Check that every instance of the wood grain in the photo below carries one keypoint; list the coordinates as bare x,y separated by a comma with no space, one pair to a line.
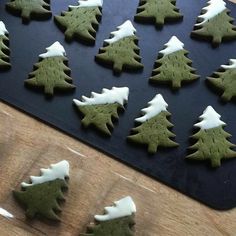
96,181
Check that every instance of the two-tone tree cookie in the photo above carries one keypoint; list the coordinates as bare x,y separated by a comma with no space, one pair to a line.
41,197
212,141
157,11
154,130
81,22
100,110
51,72
118,220
215,24
4,50
121,51
173,66
225,80
30,9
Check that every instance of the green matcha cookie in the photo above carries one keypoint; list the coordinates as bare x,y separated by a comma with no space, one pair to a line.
154,130
51,72
118,220
81,22
157,11
173,66
4,50
215,24
30,9
212,143
225,80
121,51
41,197
100,110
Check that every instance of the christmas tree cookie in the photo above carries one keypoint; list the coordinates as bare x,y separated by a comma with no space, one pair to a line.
215,24
121,50
157,11
81,22
118,220
173,66
225,80
4,50
41,197
51,72
154,130
30,9
100,109
212,143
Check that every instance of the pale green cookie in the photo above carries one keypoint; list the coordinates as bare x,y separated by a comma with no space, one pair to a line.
215,24
225,81
154,130
157,11
100,110
4,50
121,51
81,22
30,9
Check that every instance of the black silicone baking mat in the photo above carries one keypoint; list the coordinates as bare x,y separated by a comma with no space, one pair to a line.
214,187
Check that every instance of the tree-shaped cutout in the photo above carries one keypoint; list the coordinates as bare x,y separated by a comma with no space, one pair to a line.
4,50
51,72
157,11
173,66
118,220
121,51
215,24
41,197
154,130
33,9
81,22
100,110
225,80
212,143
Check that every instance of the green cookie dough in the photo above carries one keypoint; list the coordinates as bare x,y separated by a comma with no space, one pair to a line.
173,69
157,11
80,23
42,199
225,81
122,54
212,145
50,74
30,9
100,116
216,29
4,52
154,133
116,227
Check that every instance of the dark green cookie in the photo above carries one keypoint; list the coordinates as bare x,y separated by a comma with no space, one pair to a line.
4,53
100,116
116,227
157,11
42,199
51,72
216,29
80,23
154,133
174,69
212,145
225,81
30,9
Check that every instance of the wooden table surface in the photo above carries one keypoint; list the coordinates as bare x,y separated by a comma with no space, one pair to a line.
95,181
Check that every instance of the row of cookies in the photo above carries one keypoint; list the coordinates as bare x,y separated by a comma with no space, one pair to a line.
154,127
42,198
81,21
172,65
